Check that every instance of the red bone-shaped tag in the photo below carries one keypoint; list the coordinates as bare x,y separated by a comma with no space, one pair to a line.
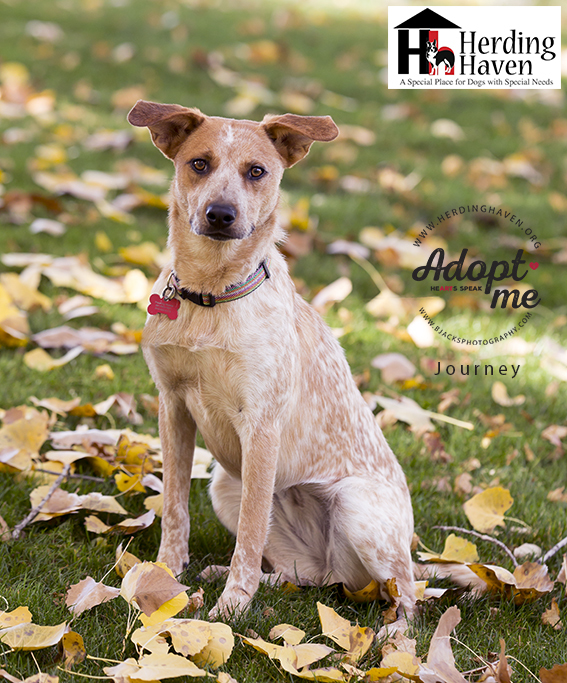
160,305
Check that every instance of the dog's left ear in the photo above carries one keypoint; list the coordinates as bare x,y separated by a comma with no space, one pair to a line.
169,124
292,135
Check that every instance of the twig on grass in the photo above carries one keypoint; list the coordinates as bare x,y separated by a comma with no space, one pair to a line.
484,538
37,509
552,551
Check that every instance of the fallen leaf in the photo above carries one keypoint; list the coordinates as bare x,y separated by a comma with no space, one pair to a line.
500,395
562,576
485,511
394,366
456,550
148,586
59,503
88,593
552,616
32,636
20,615
74,651
99,503
554,434
369,593
219,648
124,561
39,359
331,294
558,674
290,634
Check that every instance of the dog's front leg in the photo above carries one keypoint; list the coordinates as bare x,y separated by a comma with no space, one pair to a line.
177,433
258,471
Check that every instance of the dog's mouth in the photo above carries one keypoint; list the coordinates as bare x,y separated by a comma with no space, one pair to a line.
224,235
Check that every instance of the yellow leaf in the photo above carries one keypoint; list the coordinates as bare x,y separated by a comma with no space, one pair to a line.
155,667
104,372
95,525
532,581
39,359
24,296
377,674
334,626
485,511
169,609
188,636
74,651
32,636
149,585
99,503
102,242
127,483
59,503
124,561
456,550
367,594
291,634
497,579
21,615
219,648
405,663
26,435
155,503
144,254
500,396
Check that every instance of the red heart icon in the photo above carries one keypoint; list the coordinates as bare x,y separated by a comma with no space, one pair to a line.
533,266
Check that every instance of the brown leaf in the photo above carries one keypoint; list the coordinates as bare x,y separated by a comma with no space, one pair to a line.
149,587
73,647
558,674
394,367
552,616
440,659
88,593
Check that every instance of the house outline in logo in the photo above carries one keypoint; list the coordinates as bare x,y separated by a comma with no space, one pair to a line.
428,23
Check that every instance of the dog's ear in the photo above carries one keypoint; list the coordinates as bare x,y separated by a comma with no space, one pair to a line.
169,124
292,135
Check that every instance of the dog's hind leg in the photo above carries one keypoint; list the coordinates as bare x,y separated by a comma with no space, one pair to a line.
372,518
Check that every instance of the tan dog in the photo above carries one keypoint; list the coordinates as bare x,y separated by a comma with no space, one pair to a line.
304,477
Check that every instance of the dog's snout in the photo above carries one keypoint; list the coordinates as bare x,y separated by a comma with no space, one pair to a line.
221,216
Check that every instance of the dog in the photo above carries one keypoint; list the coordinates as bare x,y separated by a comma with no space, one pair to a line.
304,477
436,57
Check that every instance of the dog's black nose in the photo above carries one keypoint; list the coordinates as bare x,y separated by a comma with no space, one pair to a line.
221,216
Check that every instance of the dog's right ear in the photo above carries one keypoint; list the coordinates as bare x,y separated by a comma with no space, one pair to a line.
169,124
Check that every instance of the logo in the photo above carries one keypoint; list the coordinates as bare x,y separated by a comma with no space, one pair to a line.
474,47
493,285
432,59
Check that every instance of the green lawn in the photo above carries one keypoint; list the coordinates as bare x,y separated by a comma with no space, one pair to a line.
320,62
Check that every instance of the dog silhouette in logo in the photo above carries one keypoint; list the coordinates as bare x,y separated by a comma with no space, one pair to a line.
437,57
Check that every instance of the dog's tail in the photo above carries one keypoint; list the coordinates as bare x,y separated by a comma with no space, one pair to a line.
458,573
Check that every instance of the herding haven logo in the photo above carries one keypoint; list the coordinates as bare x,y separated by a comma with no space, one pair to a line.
434,58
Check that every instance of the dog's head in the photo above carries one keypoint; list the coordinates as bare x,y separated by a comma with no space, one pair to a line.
431,47
228,171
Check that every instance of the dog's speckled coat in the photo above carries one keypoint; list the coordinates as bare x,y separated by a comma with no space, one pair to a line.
304,476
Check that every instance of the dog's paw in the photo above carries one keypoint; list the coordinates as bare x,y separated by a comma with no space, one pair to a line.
176,561
231,603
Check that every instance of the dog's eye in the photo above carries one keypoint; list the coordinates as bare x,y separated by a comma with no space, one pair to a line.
256,172
199,165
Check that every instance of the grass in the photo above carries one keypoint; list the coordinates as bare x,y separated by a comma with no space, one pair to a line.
169,43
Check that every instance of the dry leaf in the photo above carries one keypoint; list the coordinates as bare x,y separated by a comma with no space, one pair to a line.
331,294
554,434
21,615
39,359
148,586
59,503
291,634
558,674
124,561
528,582
32,636
440,659
456,550
562,576
219,648
369,593
500,395
394,366
552,616
485,511
88,593
74,651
